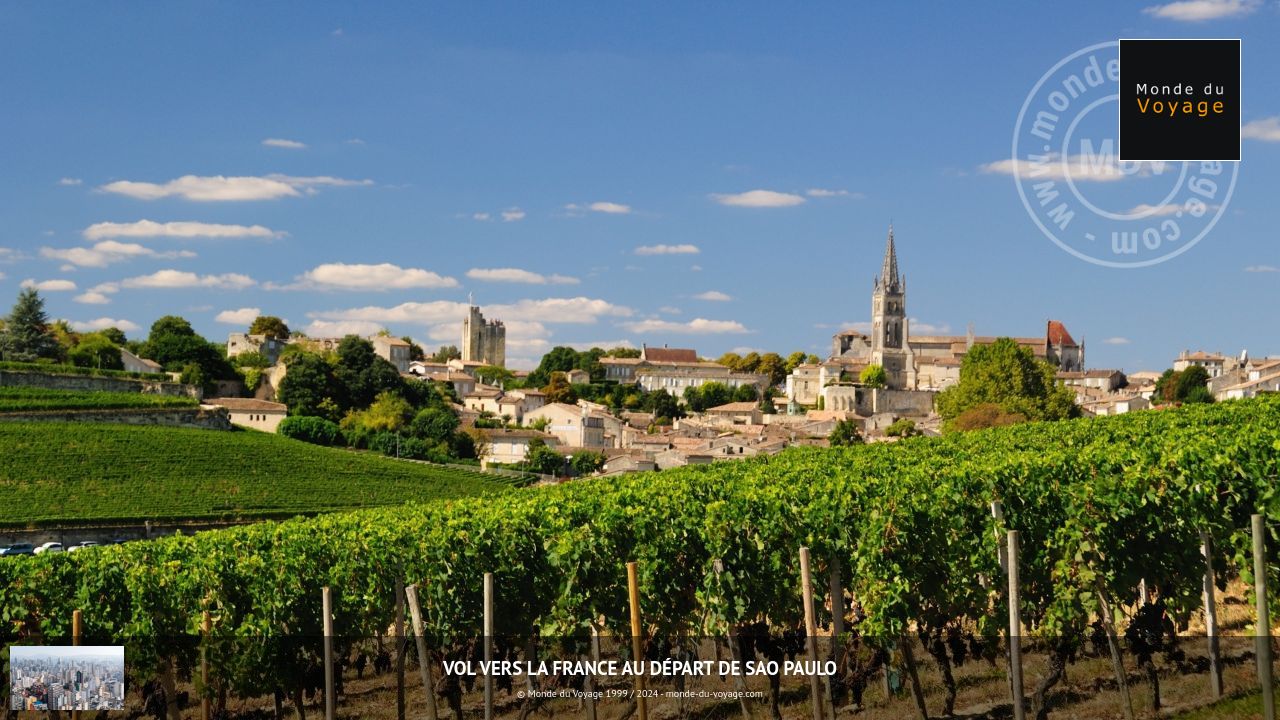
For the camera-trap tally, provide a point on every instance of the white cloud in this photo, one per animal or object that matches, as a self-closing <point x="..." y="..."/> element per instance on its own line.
<point x="341" y="328"/>
<point x="354" y="141"/>
<point x="1267" y="129"/>
<point x="179" y="279"/>
<point x="219" y="188"/>
<point x="512" y="214"/>
<point x="825" y="193"/>
<point x="2" y="276"/>
<point x="481" y="216"/>
<point x="384" y="276"/>
<point x="103" y="323"/>
<point x="915" y="327"/>
<point x="603" y="344"/>
<point x="150" y="228"/>
<point x="283" y="143"/>
<point x="713" y="296"/>
<point x="668" y="309"/>
<point x="107" y="252"/>
<point x="758" y="199"/>
<point x="92" y="297"/>
<point x="667" y="250"/>
<point x="516" y="275"/>
<point x="9" y="255"/>
<point x="1197" y="10"/>
<point x="697" y="326"/>
<point x="1080" y="168"/>
<point x="70" y="181"/>
<point x="610" y="207"/>
<point x="243" y="316"/>
<point x="49" y="285"/>
<point x="1262" y="269"/>
<point x="1116" y="341"/>
<point x="575" y="310"/>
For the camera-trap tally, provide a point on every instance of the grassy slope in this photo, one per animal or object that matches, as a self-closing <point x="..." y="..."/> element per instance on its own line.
<point x="67" y="473"/>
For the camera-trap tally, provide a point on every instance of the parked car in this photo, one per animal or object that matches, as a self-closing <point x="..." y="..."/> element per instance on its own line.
<point x="82" y="545"/>
<point x="51" y="547"/>
<point x="18" y="549"/>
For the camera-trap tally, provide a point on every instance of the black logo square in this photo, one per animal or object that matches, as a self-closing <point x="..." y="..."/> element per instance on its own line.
<point x="1179" y="100"/>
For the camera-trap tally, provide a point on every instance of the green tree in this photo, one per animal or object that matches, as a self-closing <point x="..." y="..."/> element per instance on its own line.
<point x="774" y="366"/>
<point x="559" y="359"/>
<point x="27" y="336"/>
<point x="709" y="395"/>
<point x="558" y="390"/>
<point x="542" y="459"/>
<point x="251" y="359"/>
<point x="902" y="427"/>
<point x="445" y="354"/>
<point x="795" y="360"/>
<point x="745" y="393"/>
<point x="1010" y="377"/>
<point x="873" y="376"/>
<point x="95" y="350"/>
<point x="586" y="462"/>
<point x="985" y="415"/>
<point x="1192" y="386"/>
<point x="311" y="388"/>
<point x="845" y="433"/>
<point x="364" y="374"/>
<point x="175" y="345"/>
<point x="388" y="413"/>
<point x="493" y="375"/>
<point x="115" y="335"/>
<point x="416" y="353"/>
<point x="434" y="423"/>
<point x="663" y="405"/>
<point x="269" y="325"/>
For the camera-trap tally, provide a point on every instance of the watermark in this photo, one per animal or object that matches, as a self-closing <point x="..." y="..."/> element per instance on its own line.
<point x="1082" y="196"/>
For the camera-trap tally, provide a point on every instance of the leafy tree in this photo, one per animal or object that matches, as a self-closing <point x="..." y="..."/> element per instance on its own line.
<point x="445" y="354"/>
<point x="389" y="412"/>
<point x="310" y="387"/>
<point x="560" y="359"/>
<point x="986" y="415"/>
<point x="766" y="402"/>
<point x="1192" y="385"/>
<point x="27" y="336"/>
<point x="664" y="405"/>
<point x="315" y="430"/>
<point x="812" y="360"/>
<point x="193" y="374"/>
<point x="586" y="462"/>
<point x="774" y="366"/>
<point x="873" y="376"/>
<point x="745" y="393"/>
<point x="845" y="433"/>
<point x="415" y="350"/>
<point x="175" y="345"/>
<point x="493" y="375"/>
<point x="363" y="373"/>
<point x="251" y="359"/>
<point x="709" y="395"/>
<point x="95" y="350"/>
<point x="558" y="390"/>
<point x="1009" y="376"/>
<point x="269" y="325"/>
<point x="65" y="335"/>
<point x="115" y="335"/>
<point x="902" y="427"/>
<point x="542" y="459"/>
<point x="434" y="423"/>
<point x="730" y="360"/>
<point x="795" y="360"/>
<point x="623" y="352"/>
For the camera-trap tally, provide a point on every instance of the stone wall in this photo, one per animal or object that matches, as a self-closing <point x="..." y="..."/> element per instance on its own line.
<point x="105" y="532"/>
<point x="89" y="383"/>
<point x="204" y="417"/>
<point x="902" y="402"/>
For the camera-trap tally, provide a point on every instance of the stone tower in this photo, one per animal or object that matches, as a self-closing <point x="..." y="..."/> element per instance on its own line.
<point x="889" y="347"/>
<point x="483" y="340"/>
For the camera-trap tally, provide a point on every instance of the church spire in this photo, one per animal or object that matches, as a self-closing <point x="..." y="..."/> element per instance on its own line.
<point x="889" y="278"/>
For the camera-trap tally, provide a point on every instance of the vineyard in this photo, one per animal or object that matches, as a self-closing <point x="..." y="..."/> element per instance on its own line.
<point x="26" y="399"/>
<point x="76" y="370"/>
<point x="69" y="474"/>
<point x="1102" y="506"/>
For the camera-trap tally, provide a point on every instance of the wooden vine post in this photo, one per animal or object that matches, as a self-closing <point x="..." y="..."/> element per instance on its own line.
<point x="488" y="646"/>
<point x="1104" y="614"/>
<point x="811" y="633"/>
<point x="637" y="641"/>
<point x="400" y="649"/>
<point x="1263" y="630"/>
<point x="1015" y="628"/>
<point x="330" y="699"/>
<point x="1211" y="616"/>
<point x="835" y="594"/>
<point x="424" y="658"/>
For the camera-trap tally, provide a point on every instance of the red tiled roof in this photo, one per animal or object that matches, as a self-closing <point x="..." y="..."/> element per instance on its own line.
<point x="1058" y="334"/>
<point x="669" y="354"/>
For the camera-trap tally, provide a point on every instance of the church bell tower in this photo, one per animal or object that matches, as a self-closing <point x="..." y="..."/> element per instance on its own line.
<point x="889" y="348"/>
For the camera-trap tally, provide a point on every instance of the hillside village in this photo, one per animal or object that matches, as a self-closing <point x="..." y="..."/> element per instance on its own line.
<point x="618" y="410"/>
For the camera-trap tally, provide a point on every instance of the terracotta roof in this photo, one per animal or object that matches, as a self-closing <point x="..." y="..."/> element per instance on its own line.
<point x="247" y="404"/>
<point x="506" y="433"/>
<point x="663" y="354"/>
<point x="1201" y="355"/>
<point x="734" y="407"/>
<point x="1058" y="334"/>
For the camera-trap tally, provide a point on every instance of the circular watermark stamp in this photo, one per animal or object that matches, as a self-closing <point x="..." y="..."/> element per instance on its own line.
<point x="1067" y="168"/>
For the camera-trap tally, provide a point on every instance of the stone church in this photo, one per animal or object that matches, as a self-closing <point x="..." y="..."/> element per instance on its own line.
<point x="913" y="362"/>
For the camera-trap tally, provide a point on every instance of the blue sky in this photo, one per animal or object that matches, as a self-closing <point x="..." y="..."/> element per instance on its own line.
<point x="583" y="170"/>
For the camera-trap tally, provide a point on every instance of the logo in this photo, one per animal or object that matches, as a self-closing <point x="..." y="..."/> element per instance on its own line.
<point x="1067" y="168"/>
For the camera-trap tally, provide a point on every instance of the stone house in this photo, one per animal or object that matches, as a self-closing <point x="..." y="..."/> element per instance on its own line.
<point x="247" y="412"/>
<point x="510" y="447"/>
